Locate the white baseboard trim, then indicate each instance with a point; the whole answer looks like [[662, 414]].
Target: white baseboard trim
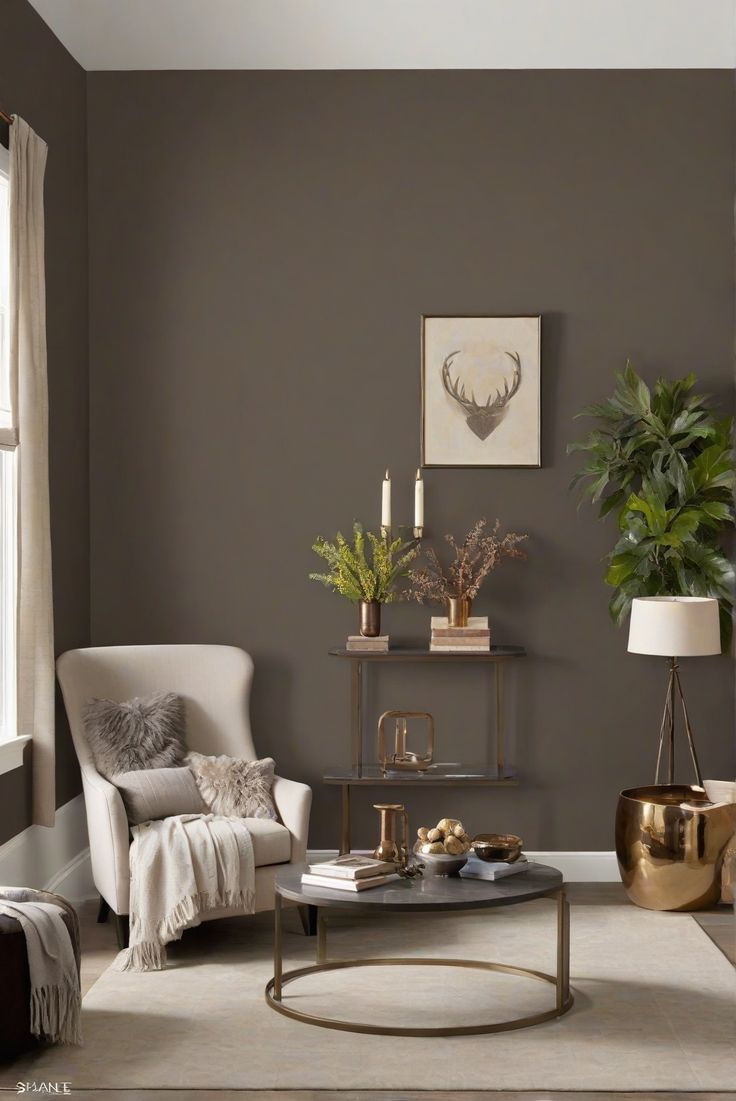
[[57, 858], [576, 867], [53, 858]]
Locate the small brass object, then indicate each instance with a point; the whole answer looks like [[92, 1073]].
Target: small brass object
[[390, 848], [670, 843], [403, 758], [370, 618], [458, 611]]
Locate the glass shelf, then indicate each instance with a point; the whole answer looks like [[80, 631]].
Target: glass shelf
[[436, 775]]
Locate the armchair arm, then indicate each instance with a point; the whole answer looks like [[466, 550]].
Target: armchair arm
[[294, 802], [109, 835]]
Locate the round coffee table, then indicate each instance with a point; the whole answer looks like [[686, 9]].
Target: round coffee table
[[418, 896]]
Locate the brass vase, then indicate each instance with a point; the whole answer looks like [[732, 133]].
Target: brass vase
[[670, 844], [391, 847], [370, 618], [458, 611]]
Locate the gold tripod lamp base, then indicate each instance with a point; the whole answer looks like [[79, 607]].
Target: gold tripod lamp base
[[667, 728]]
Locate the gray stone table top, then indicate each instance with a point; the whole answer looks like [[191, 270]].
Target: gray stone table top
[[426, 893]]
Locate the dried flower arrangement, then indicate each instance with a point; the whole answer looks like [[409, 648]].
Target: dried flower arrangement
[[361, 576], [479, 553]]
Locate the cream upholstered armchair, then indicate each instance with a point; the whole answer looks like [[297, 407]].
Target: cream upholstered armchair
[[214, 682]]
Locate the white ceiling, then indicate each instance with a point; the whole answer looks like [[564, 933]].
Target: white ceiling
[[395, 34]]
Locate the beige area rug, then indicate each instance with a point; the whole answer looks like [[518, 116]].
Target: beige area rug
[[655, 1009]]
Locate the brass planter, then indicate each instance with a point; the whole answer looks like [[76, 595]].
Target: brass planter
[[458, 611], [370, 618], [670, 844]]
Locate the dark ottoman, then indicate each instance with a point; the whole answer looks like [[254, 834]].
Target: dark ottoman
[[15, 1003]]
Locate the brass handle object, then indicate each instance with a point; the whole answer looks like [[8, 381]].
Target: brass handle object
[[403, 758]]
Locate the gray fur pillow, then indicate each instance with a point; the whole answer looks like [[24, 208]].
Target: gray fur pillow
[[140, 733], [234, 787]]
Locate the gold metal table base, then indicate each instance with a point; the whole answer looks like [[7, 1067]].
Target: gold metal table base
[[561, 981]]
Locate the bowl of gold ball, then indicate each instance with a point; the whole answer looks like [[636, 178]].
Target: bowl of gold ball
[[442, 849]]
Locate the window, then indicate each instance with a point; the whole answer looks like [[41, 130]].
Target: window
[[8, 472]]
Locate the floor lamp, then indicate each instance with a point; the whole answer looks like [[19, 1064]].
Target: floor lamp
[[675, 627]]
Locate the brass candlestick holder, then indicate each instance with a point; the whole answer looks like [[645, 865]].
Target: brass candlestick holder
[[390, 848], [403, 758]]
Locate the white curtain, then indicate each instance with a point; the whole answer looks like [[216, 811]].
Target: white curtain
[[29, 382]]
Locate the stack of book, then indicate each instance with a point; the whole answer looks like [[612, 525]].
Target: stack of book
[[350, 873], [461, 640], [379, 644], [490, 869]]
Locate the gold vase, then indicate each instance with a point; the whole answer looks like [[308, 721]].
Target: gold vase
[[458, 611], [670, 844], [370, 618]]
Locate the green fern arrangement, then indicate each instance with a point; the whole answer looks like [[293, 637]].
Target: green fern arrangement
[[367, 570], [663, 462]]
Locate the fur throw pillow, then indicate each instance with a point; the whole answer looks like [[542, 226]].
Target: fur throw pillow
[[140, 733], [234, 787]]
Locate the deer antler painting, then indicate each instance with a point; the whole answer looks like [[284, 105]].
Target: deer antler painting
[[482, 419], [481, 391]]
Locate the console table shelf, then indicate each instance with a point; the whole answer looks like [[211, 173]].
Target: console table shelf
[[440, 775], [408, 653]]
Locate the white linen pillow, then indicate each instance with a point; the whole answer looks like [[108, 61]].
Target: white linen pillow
[[151, 793]]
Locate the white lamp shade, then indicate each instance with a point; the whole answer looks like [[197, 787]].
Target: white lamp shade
[[675, 626]]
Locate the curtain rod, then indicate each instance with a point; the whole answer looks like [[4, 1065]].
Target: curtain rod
[[6, 118]]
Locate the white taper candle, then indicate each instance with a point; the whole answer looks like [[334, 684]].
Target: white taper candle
[[386, 501], [419, 501]]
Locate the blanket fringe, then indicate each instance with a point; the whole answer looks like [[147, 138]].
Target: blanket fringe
[[56, 1013], [148, 953]]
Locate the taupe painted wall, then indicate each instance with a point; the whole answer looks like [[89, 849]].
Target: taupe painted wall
[[261, 248], [41, 81]]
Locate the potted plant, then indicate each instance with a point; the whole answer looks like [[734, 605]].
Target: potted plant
[[662, 461], [367, 572], [459, 583]]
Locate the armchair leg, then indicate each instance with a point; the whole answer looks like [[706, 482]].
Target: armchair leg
[[122, 930], [103, 913], [308, 915]]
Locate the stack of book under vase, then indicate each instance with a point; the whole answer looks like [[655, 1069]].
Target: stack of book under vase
[[492, 869], [377, 645], [349, 873], [475, 638]]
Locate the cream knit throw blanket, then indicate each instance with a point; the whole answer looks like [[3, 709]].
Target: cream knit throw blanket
[[56, 1002], [181, 867]]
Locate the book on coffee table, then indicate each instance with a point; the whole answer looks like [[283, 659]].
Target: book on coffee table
[[333, 883], [350, 866], [496, 869]]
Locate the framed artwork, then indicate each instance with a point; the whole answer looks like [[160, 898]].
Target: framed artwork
[[481, 391]]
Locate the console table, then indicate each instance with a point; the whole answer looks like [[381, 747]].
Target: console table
[[500, 774]]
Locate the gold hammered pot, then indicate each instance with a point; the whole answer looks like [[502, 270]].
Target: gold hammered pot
[[670, 843]]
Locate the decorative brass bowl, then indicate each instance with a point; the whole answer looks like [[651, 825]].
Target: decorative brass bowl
[[497, 846], [670, 844]]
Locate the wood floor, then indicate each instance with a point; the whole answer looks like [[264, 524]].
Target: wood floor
[[99, 949]]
